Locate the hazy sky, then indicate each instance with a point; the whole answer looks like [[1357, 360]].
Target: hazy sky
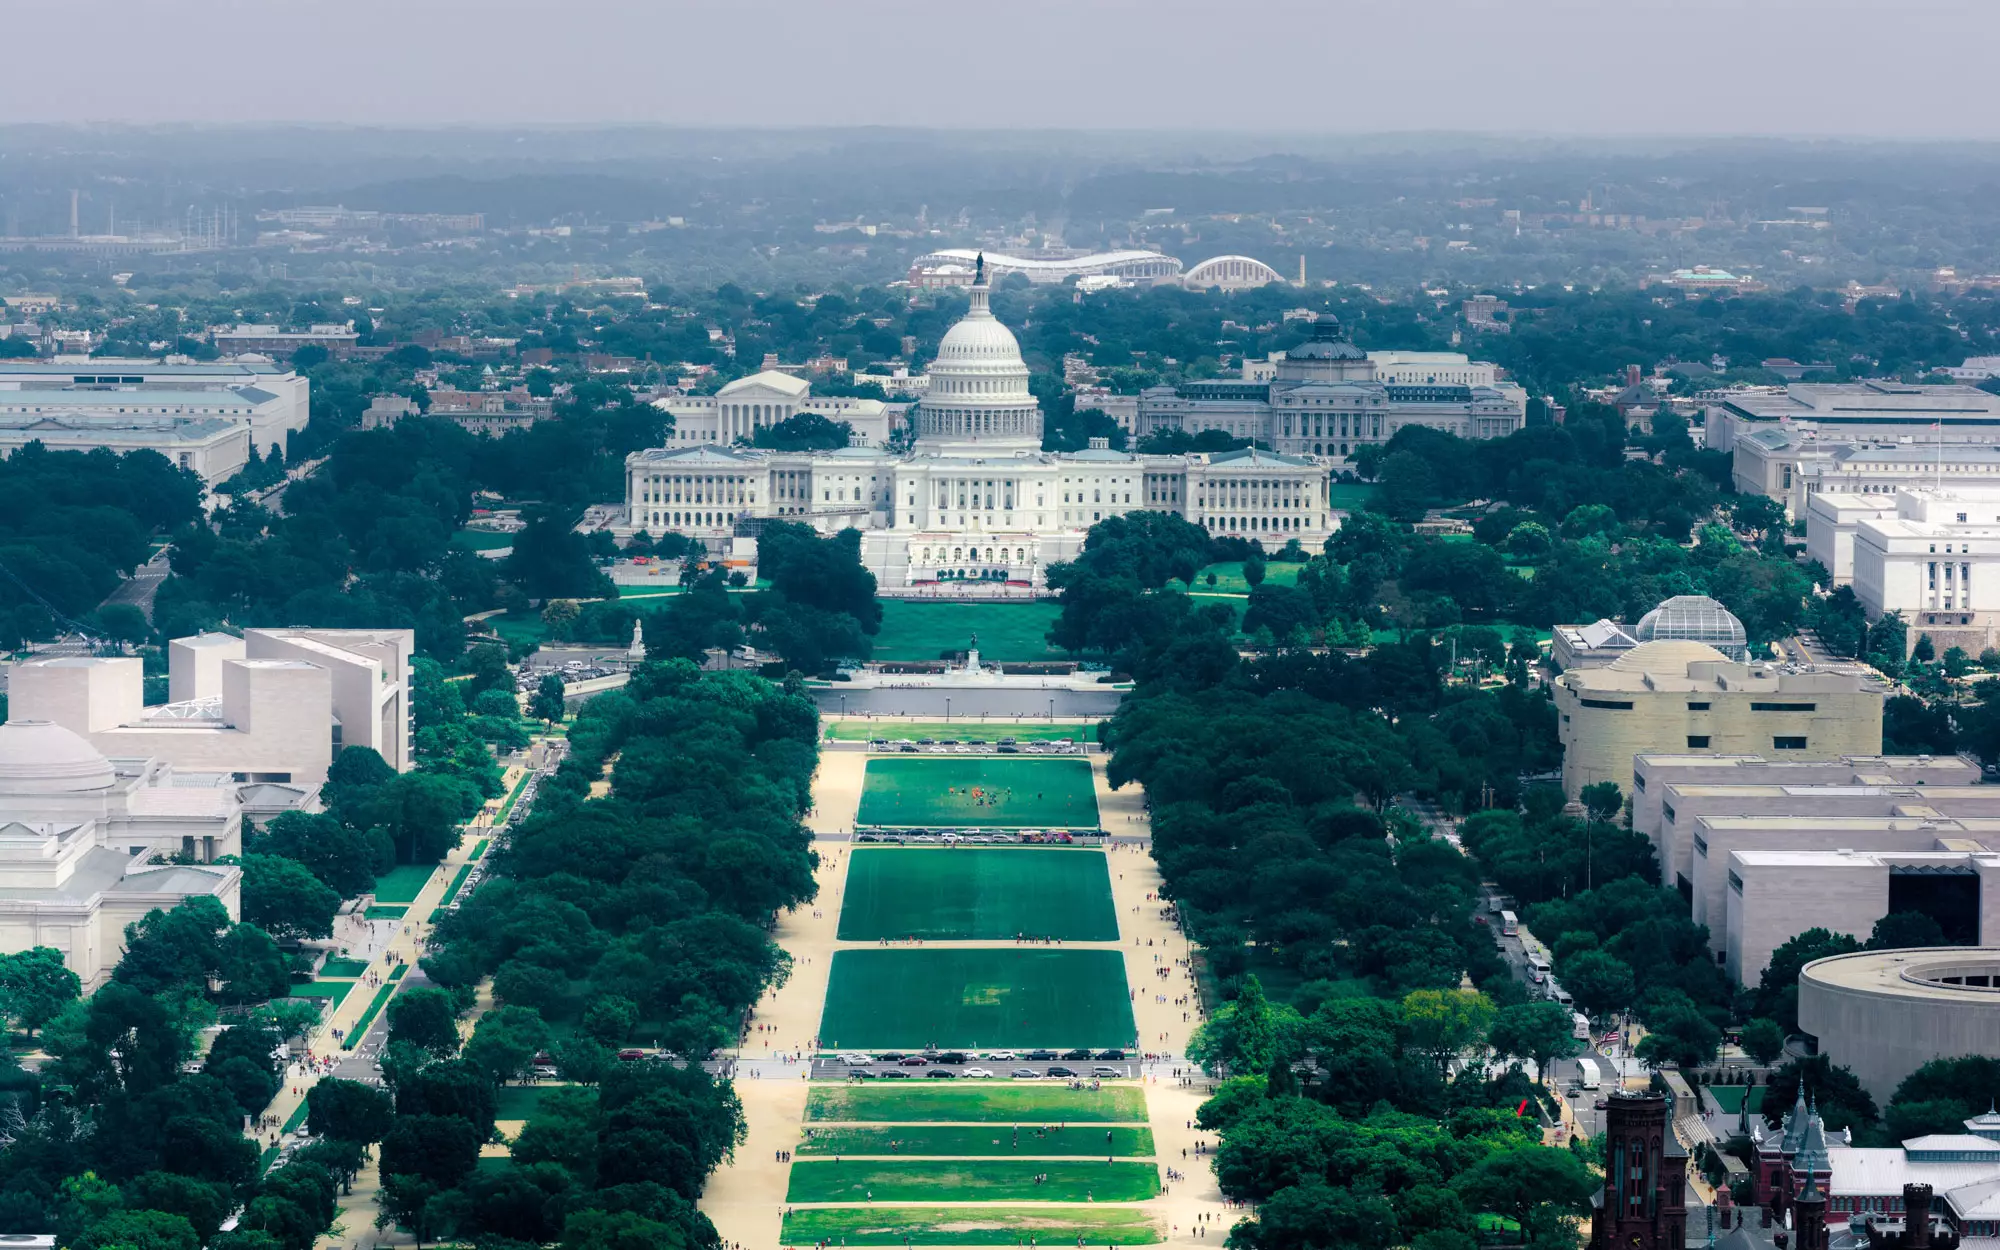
[[1768, 67]]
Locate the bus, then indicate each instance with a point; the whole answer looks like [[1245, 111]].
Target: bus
[[1509, 923], [1581, 1026]]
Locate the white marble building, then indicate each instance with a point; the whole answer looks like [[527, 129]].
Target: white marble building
[[83, 841], [976, 499]]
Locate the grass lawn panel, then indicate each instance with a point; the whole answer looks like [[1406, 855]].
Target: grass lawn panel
[[915, 629], [396, 912], [1229, 577], [963, 730], [978, 893], [334, 990], [402, 883], [353, 1036], [521, 1102], [1730, 1097], [339, 967], [914, 1141], [976, 1180], [970, 1226], [978, 997], [930, 791], [916, 1102]]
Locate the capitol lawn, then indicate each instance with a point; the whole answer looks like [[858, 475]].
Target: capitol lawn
[[925, 629], [1003, 1102], [976, 998], [926, 792], [971, 1180], [969, 1226], [977, 893]]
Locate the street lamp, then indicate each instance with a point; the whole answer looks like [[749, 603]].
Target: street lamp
[[947, 709]]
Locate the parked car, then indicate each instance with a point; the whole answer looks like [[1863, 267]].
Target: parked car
[[1062, 1071], [1006, 749], [942, 1074], [860, 1074], [977, 1073], [855, 1057], [1002, 1055], [1102, 1072], [1110, 1054], [1082, 1052], [1039, 1056], [949, 1056], [913, 1061], [630, 1055], [889, 1056], [894, 1074], [1024, 1073]]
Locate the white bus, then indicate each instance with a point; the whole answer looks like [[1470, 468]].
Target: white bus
[[1509, 923], [1589, 1077], [1580, 1027]]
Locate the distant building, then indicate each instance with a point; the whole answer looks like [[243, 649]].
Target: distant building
[[1230, 273], [762, 400], [1877, 410], [1486, 313], [1133, 266], [1793, 463], [1684, 618], [1642, 1203], [277, 399], [1680, 696], [1933, 556], [338, 340], [1326, 399], [275, 705]]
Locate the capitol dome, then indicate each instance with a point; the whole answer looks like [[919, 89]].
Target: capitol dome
[[978, 390], [1695, 618], [41, 757]]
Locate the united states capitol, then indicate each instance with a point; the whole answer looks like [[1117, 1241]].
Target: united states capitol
[[976, 499]]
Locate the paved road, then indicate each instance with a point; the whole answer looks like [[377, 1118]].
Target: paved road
[[139, 589]]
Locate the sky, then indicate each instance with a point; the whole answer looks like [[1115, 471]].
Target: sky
[[1838, 68]]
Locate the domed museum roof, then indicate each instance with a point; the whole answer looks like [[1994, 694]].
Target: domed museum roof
[[41, 757], [1695, 618], [1668, 656]]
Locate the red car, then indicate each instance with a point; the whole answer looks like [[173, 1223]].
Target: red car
[[915, 1061]]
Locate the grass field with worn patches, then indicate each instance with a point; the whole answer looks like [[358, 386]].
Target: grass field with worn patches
[[917, 1102], [978, 894], [971, 1180], [970, 1226], [963, 730], [916, 1140], [969, 998], [998, 792]]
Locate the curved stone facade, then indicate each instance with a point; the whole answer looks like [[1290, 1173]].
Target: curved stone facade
[[1884, 1014]]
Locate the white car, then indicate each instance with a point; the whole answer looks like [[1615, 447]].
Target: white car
[[1005, 1056], [858, 1061], [976, 1073]]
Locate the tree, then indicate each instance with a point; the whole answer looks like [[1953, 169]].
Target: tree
[[283, 897], [439, 1149], [506, 1040], [1763, 1040], [547, 703], [1526, 1181], [1316, 1216], [1778, 989], [1246, 1035], [424, 1018], [347, 859], [1834, 1090], [1600, 982], [1904, 930], [1446, 1023], [1539, 1032], [35, 985], [1603, 800], [139, 1230], [1678, 1032], [348, 1111]]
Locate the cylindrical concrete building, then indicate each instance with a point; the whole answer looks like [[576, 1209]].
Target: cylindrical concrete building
[[1884, 1014]]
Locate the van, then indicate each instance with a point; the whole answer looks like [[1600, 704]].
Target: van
[[1590, 1076]]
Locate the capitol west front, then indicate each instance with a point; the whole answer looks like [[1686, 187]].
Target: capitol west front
[[975, 499]]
